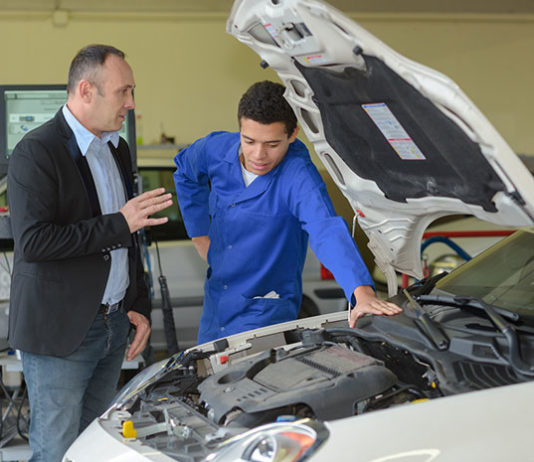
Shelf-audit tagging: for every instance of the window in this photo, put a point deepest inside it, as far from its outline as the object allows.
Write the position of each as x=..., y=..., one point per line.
x=155, y=177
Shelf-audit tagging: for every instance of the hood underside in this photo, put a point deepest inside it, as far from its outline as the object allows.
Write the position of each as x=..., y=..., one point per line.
x=402, y=142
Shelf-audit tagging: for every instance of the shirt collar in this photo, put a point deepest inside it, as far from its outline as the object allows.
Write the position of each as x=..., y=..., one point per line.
x=84, y=137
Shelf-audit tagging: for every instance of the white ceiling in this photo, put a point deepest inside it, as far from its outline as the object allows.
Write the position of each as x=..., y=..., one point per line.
x=223, y=6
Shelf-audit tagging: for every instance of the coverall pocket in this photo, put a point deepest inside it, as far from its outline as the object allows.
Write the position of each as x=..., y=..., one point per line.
x=262, y=312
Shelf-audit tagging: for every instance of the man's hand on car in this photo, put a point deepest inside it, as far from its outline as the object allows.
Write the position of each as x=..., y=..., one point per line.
x=368, y=303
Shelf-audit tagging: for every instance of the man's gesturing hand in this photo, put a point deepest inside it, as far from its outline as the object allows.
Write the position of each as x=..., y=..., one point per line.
x=137, y=211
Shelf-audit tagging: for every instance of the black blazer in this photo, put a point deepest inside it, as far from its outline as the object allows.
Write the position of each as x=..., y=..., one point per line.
x=63, y=242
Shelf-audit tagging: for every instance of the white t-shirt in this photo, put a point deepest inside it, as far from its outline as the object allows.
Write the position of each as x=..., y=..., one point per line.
x=248, y=177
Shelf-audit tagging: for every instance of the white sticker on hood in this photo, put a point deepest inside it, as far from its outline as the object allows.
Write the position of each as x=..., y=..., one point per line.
x=393, y=131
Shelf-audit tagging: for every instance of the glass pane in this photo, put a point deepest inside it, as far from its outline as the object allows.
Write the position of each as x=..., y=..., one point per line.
x=502, y=276
x=155, y=177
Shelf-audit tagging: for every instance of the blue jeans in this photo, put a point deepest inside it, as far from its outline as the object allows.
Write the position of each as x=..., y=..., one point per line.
x=67, y=393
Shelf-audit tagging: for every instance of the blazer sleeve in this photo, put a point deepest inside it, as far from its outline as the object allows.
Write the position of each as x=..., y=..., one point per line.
x=47, y=209
x=141, y=303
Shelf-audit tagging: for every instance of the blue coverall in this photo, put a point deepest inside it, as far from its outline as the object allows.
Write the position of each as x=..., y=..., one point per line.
x=259, y=234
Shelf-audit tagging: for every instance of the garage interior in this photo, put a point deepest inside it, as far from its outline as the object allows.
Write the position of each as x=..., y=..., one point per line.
x=190, y=73
x=484, y=46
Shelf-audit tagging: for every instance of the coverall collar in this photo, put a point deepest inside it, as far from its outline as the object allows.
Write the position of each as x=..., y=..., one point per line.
x=259, y=185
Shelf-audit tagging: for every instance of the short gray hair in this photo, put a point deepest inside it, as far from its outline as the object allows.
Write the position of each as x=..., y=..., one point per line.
x=87, y=61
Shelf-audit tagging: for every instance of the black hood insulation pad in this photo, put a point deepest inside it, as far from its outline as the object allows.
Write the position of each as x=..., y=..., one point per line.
x=454, y=165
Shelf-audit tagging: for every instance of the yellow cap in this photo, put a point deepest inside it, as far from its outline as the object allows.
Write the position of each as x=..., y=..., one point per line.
x=128, y=430
x=420, y=400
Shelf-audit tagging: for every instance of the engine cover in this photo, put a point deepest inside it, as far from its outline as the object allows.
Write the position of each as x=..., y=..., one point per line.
x=330, y=380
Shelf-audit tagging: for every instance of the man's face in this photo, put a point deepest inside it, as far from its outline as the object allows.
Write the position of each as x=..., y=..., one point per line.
x=263, y=146
x=112, y=95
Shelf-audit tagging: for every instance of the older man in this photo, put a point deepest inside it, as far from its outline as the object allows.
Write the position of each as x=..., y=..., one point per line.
x=78, y=279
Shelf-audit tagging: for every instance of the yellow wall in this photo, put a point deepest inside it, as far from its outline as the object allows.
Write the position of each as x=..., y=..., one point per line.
x=190, y=73
x=490, y=58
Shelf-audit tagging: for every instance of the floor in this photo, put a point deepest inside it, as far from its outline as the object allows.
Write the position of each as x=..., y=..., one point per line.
x=12, y=446
x=16, y=450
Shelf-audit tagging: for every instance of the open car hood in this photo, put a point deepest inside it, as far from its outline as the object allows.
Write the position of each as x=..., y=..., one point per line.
x=402, y=142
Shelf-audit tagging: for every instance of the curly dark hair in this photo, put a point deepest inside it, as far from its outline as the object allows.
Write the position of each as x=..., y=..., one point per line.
x=87, y=61
x=264, y=102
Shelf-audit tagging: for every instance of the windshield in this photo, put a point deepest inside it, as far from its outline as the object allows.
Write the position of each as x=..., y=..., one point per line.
x=502, y=276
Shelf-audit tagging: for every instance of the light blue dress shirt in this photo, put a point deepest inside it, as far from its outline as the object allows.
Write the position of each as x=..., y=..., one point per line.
x=111, y=195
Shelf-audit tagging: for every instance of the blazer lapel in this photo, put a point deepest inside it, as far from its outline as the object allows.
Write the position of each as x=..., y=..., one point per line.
x=80, y=162
x=85, y=173
x=127, y=184
x=122, y=168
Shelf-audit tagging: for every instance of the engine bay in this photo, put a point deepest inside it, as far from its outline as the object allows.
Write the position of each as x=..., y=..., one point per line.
x=325, y=374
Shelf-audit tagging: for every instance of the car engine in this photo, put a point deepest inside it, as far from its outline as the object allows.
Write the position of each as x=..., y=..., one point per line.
x=325, y=374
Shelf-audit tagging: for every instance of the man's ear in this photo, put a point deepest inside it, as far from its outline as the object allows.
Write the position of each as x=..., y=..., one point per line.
x=293, y=136
x=85, y=90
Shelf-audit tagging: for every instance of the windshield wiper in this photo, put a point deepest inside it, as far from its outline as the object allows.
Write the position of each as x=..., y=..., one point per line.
x=425, y=286
x=469, y=302
x=427, y=325
x=496, y=316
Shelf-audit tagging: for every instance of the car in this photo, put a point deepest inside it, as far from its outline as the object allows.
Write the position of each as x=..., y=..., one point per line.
x=449, y=378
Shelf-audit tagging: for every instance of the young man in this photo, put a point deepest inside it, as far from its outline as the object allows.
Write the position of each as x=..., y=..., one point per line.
x=78, y=278
x=249, y=201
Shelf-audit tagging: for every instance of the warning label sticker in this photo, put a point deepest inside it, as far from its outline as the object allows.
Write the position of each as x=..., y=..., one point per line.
x=393, y=131
x=272, y=30
x=315, y=59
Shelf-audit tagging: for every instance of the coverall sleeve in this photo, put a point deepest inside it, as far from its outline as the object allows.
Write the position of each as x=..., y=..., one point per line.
x=192, y=187
x=329, y=235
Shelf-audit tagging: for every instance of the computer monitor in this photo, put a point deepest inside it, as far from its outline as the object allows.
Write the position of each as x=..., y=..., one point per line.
x=25, y=107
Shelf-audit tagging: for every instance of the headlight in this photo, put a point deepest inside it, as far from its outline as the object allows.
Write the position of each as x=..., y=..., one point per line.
x=279, y=447
x=279, y=442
